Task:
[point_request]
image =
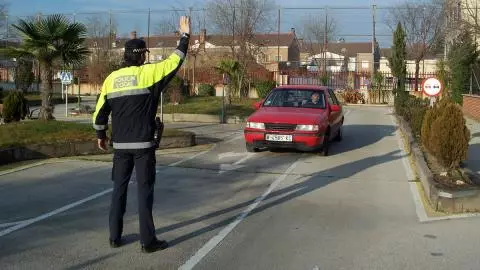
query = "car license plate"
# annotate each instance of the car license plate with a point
(278, 138)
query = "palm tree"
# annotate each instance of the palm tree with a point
(54, 42)
(231, 68)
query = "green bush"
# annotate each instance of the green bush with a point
(264, 87)
(400, 103)
(15, 107)
(206, 90)
(430, 116)
(414, 111)
(449, 136)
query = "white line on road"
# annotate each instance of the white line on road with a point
(212, 243)
(28, 222)
(54, 212)
(346, 112)
(9, 224)
(419, 207)
(234, 139)
(192, 157)
(234, 166)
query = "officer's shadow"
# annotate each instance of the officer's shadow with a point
(314, 182)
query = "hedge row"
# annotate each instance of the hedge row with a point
(440, 129)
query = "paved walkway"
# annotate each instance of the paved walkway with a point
(473, 161)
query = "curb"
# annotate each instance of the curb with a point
(80, 148)
(440, 199)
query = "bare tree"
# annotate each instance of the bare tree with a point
(465, 13)
(3, 18)
(317, 32)
(242, 20)
(424, 27)
(101, 36)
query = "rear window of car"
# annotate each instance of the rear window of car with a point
(300, 98)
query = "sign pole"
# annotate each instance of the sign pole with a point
(66, 101)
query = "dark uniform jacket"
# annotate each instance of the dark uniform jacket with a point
(132, 94)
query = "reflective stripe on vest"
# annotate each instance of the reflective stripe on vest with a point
(130, 92)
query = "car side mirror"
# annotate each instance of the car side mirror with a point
(258, 104)
(335, 108)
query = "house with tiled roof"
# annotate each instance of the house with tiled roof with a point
(339, 56)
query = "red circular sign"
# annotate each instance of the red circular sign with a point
(432, 87)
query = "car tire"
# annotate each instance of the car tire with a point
(326, 146)
(339, 136)
(250, 148)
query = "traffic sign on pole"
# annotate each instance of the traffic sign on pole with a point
(432, 87)
(66, 77)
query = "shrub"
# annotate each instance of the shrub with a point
(206, 90)
(400, 103)
(414, 113)
(174, 92)
(449, 136)
(430, 116)
(353, 96)
(15, 107)
(264, 87)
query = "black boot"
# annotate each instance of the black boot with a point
(154, 246)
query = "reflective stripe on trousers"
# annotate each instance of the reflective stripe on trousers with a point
(133, 145)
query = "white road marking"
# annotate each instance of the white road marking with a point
(419, 207)
(191, 157)
(234, 166)
(9, 224)
(52, 213)
(230, 154)
(28, 222)
(346, 112)
(212, 243)
(234, 139)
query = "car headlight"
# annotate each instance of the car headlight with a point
(307, 127)
(255, 125)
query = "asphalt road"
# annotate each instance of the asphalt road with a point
(222, 208)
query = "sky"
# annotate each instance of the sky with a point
(354, 18)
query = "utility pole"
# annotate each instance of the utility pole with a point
(325, 41)
(233, 33)
(278, 39)
(148, 36)
(374, 38)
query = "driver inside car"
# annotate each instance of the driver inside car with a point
(314, 100)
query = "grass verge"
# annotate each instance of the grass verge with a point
(212, 106)
(38, 131)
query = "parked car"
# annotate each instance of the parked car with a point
(303, 117)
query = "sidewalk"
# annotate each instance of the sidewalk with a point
(473, 160)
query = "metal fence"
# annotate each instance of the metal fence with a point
(320, 27)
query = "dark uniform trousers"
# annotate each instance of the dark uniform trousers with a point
(143, 160)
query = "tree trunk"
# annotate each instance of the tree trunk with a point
(46, 89)
(417, 72)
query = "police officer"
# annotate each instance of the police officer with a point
(131, 95)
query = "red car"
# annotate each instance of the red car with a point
(303, 117)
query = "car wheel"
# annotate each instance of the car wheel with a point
(326, 146)
(339, 136)
(251, 148)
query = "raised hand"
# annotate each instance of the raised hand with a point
(184, 25)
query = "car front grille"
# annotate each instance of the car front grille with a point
(280, 127)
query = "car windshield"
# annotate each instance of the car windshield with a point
(299, 98)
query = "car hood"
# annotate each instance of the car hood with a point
(288, 115)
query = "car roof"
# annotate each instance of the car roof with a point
(303, 87)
